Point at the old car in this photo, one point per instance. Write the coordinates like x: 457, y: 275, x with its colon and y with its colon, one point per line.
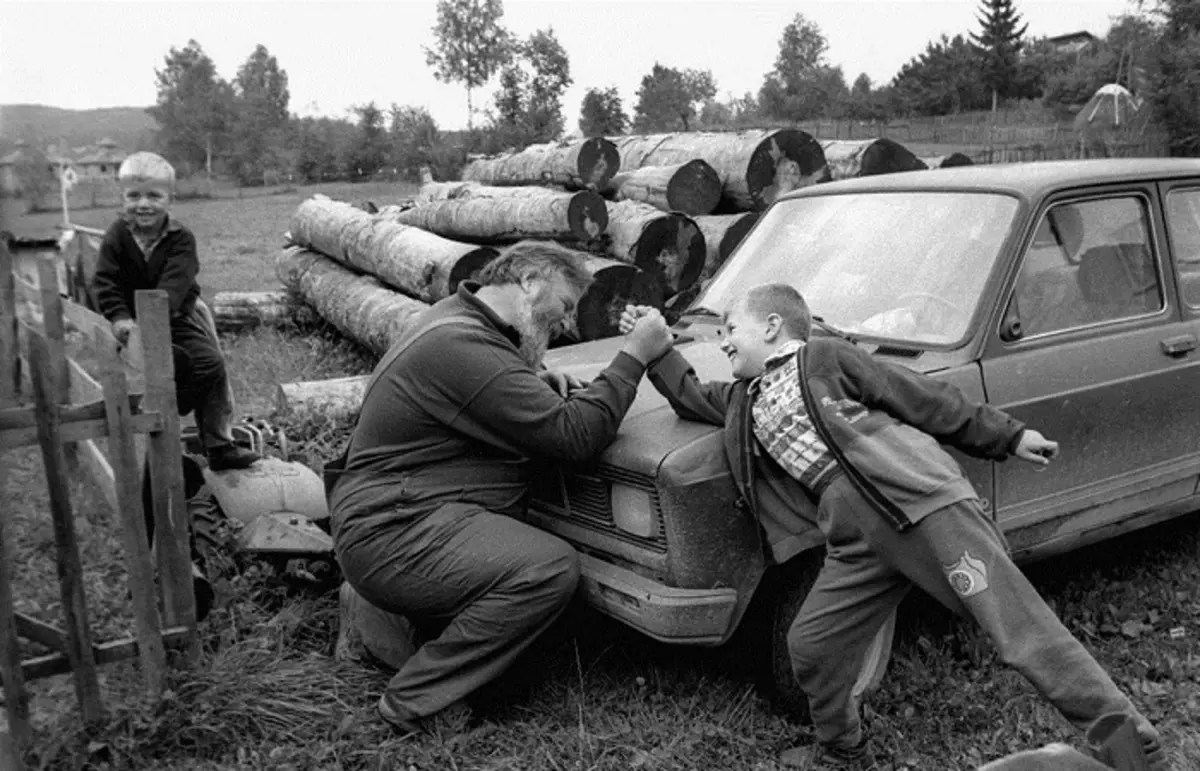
x: 1067, y: 293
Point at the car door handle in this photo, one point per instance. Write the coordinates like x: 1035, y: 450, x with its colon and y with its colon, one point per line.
x: 1179, y: 345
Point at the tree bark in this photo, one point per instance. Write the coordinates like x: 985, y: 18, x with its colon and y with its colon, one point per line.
x: 337, y: 399
x: 722, y: 232
x: 755, y: 166
x: 236, y: 311
x: 364, y: 309
x: 948, y: 161
x: 421, y: 264
x: 488, y: 214
x: 583, y: 164
x: 867, y: 157
x: 689, y: 188
x: 667, y: 245
x: 614, y: 285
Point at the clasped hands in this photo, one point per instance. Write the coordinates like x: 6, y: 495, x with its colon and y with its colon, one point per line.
x: 647, y: 339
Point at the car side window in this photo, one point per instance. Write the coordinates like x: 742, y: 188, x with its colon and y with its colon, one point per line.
x: 1183, y: 225
x: 1089, y: 262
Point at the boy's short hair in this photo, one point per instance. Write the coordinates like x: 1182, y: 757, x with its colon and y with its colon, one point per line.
x: 533, y: 260
x: 146, y: 167
x: 784, y: 301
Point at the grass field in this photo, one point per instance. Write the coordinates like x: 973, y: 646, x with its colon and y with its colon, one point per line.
x: 268, y: 695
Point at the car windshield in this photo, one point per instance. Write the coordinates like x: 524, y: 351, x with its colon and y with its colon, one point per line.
x: 906, y: 266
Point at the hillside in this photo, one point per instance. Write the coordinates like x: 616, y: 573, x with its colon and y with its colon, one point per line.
x: 130, y: 127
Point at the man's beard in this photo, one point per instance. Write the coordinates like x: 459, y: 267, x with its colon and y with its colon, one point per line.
x: 535, y: 337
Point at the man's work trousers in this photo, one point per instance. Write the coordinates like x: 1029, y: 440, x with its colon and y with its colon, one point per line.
x: 495, y: 582
x: 201, y: 380
x: 958, y: 555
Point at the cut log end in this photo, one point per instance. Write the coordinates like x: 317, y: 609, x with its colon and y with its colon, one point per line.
x: 790, y: 159
x: 588, y: 215
x: 672, y: 247
x: 614, y: 286
x: 948, y: 161
x: 469, y: 265
x: 886, y: 156
x: 694, y: 189
x: 598, y: 162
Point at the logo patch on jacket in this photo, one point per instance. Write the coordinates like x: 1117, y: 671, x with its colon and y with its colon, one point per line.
x: 968, y: 576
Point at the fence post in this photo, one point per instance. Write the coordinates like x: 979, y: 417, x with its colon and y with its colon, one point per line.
x: 122, y: 454
x: 70, y: 570
x: 171, y: 531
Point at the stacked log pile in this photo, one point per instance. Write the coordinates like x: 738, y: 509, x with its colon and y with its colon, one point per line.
x: 656, y: 215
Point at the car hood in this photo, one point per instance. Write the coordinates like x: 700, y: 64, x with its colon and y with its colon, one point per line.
x: 650, y: 430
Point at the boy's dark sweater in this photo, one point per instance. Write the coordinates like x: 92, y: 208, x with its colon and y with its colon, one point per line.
x: 122, y: 270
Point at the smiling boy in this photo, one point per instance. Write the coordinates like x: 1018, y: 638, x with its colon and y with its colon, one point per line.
x: 146, y: 249
x: 818, y: 432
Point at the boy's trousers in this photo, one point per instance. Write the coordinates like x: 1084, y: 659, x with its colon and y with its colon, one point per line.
x: 958, y: 555
x: 201, y: 380
x: 496, y: 583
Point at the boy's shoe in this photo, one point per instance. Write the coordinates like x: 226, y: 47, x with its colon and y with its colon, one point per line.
x: 818, y: 757
x: 405, y: 725
x: 230, y: 456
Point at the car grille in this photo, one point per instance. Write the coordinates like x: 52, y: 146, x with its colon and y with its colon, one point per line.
x: 588, y: 502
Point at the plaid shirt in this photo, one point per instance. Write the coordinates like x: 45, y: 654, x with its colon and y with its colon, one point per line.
x: 781, y: 423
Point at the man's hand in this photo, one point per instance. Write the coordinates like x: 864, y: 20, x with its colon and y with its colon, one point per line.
x: 630, y: 316
x: 649, y: 337
x: 1035, y: 448
x: 562, y: 383
x: 122, y: 329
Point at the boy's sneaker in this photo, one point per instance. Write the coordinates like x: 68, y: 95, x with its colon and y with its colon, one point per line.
x: 818, y: 757
x: 230, y: 456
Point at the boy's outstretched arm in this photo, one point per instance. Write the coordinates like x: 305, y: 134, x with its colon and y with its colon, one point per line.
x: 675, y: 379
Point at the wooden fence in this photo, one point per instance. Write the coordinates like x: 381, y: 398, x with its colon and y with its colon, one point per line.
x: 49, y: 400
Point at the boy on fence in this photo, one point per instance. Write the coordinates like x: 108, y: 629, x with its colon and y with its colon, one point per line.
x: 147, y: 249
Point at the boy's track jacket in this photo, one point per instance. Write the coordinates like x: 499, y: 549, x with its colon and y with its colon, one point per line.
x: 882, y: 422
x: 122, y: 269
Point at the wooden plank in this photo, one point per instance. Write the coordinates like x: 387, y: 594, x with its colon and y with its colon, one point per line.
x: 126, y: 469
x: 54, y: 329
x: 24, y: 417
x: 171, y: 525
x: 10, y: 373
x: 106, y: 653
x: 70, y: 569
x: 80, y: 431
x: 40, y: 632
x: 16, y: 698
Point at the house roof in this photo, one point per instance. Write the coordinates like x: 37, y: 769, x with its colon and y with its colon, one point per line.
x: 1073, y: 37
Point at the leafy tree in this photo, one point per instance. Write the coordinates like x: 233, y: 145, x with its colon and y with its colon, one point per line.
x: 260, y: 115
x: 944, y: 79
x: 369, y: 153
x: 1000, y: 41
x: 193, y: 107
x: 667, y: 98
x: 320, y: 147
x: 470, y: 44
x: 415, y: 139
x: 864, y: 103
x: 1175, y: 86
x: 529, y: 100
x: 802, y: 84
x: 602, y: 114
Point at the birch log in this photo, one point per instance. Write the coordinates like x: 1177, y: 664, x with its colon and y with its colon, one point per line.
x: 419, y: 263
x: 582, y: 164
x: 667, y: 245
x: 235, y: 311
x: 948, y: 161
x: 490, y: 214
x: 689, y: 188
x: 755, y: 167
x: 360, y: 306
x: 338, y: 399
x: 865, y: 158
x: 722, y: 232
x: 615, y: 284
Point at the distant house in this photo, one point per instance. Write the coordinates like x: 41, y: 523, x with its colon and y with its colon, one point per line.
x: 1072, y: 42
x: 94, y: 163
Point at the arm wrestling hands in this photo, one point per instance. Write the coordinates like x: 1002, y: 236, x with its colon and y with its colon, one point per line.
x: 647, y: 339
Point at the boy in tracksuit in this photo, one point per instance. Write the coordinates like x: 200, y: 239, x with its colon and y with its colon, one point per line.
x: 146, y: 249
x: 896, y: 510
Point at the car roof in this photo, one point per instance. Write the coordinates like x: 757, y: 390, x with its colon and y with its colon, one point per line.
x: 1031, y: 179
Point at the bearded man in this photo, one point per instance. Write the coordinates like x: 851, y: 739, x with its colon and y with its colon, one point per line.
x: 440, y: 462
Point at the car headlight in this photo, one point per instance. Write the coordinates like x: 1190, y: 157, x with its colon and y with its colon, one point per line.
x: 633, y: 510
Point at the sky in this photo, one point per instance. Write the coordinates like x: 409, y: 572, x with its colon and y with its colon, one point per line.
x: 339, y: 53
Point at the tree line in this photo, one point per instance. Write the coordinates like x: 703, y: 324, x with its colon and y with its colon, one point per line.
x: 245, y: 125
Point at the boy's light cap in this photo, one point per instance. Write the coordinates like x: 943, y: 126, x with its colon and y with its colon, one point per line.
x: 146, y: 167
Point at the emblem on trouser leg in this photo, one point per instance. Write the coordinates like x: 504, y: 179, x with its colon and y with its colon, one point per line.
x: 968, y: 576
